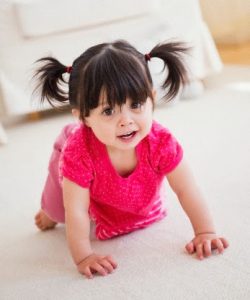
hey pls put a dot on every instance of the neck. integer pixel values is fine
(124, 161)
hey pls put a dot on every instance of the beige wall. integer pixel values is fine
(228, 20)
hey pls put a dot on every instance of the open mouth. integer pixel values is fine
(127, 136)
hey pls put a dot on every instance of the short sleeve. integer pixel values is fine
(166, 150)
(75, 162)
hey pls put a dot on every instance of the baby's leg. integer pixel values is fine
(52, 209)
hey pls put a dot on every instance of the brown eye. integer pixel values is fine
(108, 111)
(136, 105)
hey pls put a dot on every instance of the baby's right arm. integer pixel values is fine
(76, 203)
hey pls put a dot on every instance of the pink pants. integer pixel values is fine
(52, 198)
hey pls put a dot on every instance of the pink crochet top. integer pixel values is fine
(119, 205)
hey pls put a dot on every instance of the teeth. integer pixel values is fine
(127, 134)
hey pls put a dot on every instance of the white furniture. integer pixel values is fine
(30, 29)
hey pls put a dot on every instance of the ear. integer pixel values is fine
(75, 112)
(86, 122)
(154, 93)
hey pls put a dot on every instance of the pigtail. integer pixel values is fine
(172, 56)
(49, 78)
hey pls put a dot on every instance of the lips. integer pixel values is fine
(127, 136)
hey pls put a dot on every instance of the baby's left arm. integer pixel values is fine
(183, 184)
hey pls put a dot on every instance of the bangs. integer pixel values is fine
(113, 78)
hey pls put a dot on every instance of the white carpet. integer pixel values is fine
(215, 132)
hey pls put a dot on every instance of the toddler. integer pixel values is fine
(109, 167)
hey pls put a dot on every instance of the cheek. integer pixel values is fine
(103, 132)
(148, 118)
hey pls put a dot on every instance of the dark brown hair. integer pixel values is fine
(117, 69)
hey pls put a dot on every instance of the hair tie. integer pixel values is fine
(68, 69)
(147, 57)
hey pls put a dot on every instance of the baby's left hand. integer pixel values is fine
(203, 244)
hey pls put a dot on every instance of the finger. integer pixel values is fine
(217, 244)
(199, 251)
(190, 248)
(107, 266)
(224, 242)
(207, 248)
(99, 269)
(111, 261)
(87, 273)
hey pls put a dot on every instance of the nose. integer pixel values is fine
(125, 117)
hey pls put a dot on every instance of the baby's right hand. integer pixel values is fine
(95, 263)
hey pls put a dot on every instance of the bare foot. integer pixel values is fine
(43, 221)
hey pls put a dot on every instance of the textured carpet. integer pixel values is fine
(214, 130)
